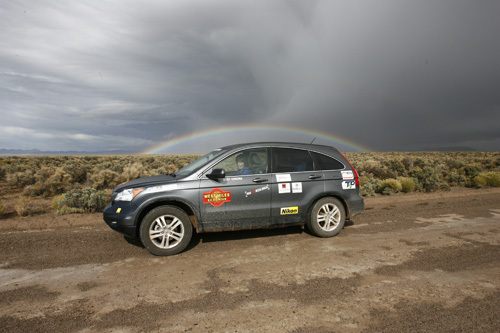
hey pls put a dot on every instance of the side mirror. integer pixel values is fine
(216, 174)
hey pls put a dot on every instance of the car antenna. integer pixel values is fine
(313, 140)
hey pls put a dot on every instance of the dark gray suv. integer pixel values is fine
(243, 186)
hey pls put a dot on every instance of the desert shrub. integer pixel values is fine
(395, 166)
(368, 186)
(160, 171)
(33, 190)
(77, 171)
(419, 163)
(453, 178)
(453, 163)
(182, 162)
(495, 162)
(134, 171)
(471, 170)
(428, 179)
(171, 168)
(389, 186)
(432, 183)
(44, 173)
(26, 207)
(487, 179)
(22, 207)
(21, 179)
(378, 171)
(479, 181)
(80, 200)
(407, 184)
(106, 179)
(57, 183)
(56, 202)
(492, 178)
(407, 162)
(3, 172)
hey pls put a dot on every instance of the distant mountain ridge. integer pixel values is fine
(129, 152)
(458, 148)
(68, 152)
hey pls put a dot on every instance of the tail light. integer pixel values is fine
(356, 175)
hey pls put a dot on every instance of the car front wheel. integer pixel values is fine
(165, 231)
(327, 217)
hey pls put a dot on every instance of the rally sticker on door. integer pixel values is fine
(216, 197)
(248, 193)
(283, 177)
(296, 187)
(289, 210)
(348, 185)
(284, 188)
(347, 174)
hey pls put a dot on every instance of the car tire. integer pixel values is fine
(327, 217)
(165, 230)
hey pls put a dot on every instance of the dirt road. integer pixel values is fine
(419, 262)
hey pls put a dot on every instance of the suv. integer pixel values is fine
(243, 186)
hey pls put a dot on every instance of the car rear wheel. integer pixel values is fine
(165, 231)
(327, 217)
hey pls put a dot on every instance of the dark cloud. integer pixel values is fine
(389, 75)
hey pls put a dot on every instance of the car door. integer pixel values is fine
(295, 185)
(240, 200)
(336, 178)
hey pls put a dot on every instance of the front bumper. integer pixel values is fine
(121, 216)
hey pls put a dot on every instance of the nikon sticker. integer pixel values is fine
(289, 210)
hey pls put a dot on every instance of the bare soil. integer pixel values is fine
(409, 263)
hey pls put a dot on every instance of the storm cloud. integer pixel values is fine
(388, 75)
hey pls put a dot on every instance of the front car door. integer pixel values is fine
(240, 200)
(295, 185)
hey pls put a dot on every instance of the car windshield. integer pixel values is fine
(199, 163)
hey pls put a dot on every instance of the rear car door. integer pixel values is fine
(242, 199)
(295, 184)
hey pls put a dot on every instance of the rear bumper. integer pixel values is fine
(356, 206)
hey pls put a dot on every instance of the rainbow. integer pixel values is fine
(161, 147)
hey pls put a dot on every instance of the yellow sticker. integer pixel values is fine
(289, 210)
(118, 210)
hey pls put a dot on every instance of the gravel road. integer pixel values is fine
(409, 263)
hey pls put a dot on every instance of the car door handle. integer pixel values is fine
(314, 176)
(259, 180)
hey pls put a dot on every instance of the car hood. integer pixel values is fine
(146, 182)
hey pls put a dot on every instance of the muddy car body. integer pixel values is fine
(238, 187)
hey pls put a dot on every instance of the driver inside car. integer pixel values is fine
(242, 169)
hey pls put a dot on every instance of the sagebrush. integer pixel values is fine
(379, 172)
(425, 171)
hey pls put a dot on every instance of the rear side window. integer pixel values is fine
(326, 162)
(292, 160)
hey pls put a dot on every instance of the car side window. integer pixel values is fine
(292, 160)
(324, 162)
(246, 162)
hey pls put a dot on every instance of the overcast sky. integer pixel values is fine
(388, 75)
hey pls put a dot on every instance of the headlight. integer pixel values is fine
(128, 195)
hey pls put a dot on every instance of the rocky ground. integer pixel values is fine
(409, 263)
